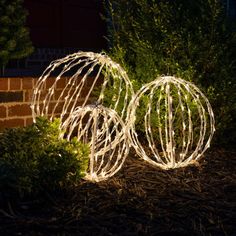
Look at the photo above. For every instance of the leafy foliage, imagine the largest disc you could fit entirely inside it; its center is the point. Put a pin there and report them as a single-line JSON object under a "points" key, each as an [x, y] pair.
{"points": [[191, 40], [14, 36], [34, 159]]}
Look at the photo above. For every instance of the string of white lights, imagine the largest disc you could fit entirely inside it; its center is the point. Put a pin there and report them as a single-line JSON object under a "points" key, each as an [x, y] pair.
{"points": [[177, 125], [100, 127], [80, 69], [104, 131], [178, 122]]}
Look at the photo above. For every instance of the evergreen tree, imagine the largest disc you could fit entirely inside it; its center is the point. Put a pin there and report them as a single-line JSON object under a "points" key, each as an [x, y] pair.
{"points": [[14, 36]]}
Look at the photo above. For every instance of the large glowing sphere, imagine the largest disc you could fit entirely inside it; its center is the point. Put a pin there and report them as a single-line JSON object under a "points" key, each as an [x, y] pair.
{"points": [[77, 80], [104, 131], [171, 122]]}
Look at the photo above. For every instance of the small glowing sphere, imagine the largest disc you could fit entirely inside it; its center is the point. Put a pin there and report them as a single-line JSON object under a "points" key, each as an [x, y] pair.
{"points": [[104, 131], [77, 80], [175, 122]]}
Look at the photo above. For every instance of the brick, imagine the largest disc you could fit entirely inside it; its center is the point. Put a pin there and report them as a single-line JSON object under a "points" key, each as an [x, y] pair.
{"points": [[3, 111], [36, 109], [27, 83], [28, 121], [28, 95], [58, 93], [34, 81], [76, 80], [58, 115], [58, 107], [49, 82], [85, 91], [15, 83], [19, 110], [9, 123], [43, 94], [3, 84], [77, 104], [61, 83], [91, 79], [11, 96], [72, 92]]}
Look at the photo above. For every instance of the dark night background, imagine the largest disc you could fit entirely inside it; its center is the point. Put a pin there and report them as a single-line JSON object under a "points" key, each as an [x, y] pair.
{"points": [[58, 28]]}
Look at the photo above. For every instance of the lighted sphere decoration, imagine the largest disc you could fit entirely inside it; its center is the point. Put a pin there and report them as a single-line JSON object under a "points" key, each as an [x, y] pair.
{"points": [[176, 124], [105, 133], [88, 78]]}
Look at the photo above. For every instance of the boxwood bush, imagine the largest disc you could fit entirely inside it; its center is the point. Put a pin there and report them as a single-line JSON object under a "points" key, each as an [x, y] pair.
{"points": [[34, 159]]}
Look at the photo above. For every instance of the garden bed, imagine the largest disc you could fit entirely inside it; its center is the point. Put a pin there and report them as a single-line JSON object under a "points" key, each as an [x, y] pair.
{"points": [[139, 200]]}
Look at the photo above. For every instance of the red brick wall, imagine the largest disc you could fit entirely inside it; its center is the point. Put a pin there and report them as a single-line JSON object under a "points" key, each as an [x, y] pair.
{"points": [[15, 99]]}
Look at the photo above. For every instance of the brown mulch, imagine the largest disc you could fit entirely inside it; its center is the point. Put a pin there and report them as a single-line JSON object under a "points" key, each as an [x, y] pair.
{"points": [[139, 200]]}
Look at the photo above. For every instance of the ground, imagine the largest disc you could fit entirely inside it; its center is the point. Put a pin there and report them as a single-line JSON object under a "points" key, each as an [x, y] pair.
{"points": [[139, 200]]}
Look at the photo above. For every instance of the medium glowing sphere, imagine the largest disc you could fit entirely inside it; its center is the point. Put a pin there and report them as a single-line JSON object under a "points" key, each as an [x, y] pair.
{"points": [[175, 122], [88, 78], [104, 131]]}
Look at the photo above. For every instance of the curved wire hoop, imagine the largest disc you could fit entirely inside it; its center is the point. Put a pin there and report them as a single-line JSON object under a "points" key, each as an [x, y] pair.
{"points": [[177, 126], [104, 131], [89, 78]]}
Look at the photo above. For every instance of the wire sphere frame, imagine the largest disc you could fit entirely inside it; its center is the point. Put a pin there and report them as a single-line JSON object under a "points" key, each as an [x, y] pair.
{"points": [[105, 133], [114, 78], [86, 64], [166, 158]]}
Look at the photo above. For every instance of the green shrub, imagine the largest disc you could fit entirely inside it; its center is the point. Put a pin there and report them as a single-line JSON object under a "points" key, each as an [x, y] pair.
{"points": [[33, 159], [15, 40], [191, 40]]}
